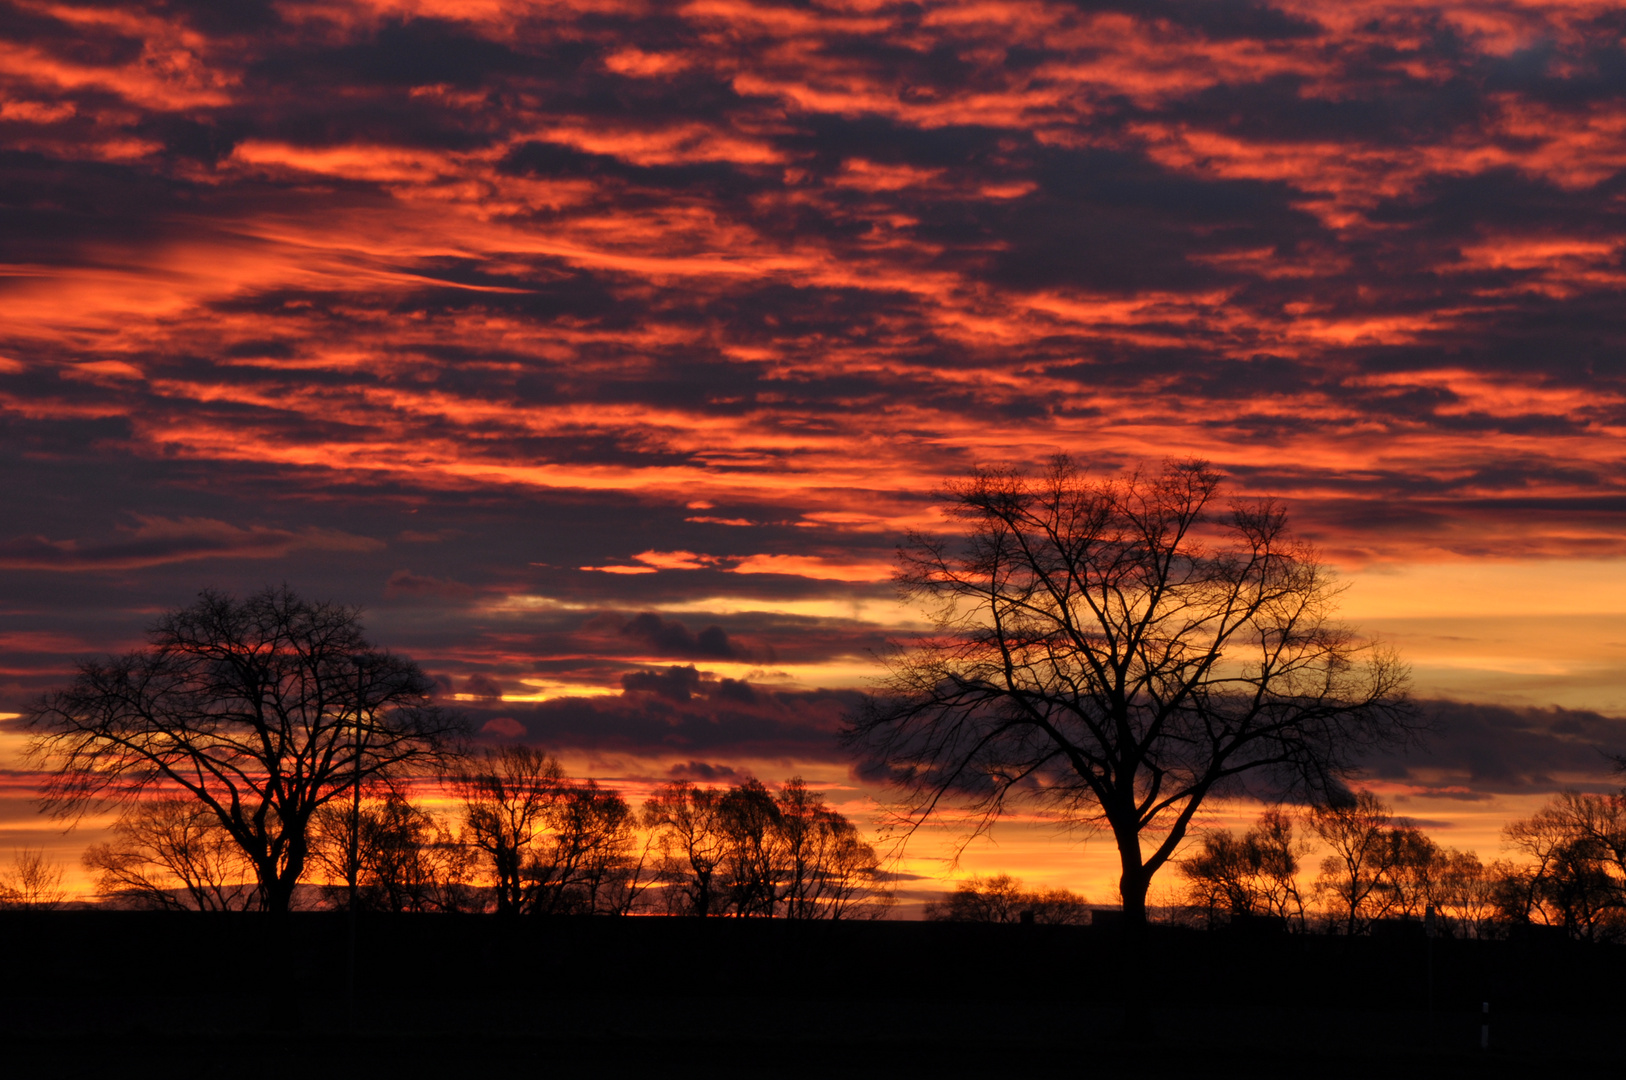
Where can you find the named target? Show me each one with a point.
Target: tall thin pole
(1430, 927)
(355, 861)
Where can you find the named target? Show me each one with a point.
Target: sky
(604, 352)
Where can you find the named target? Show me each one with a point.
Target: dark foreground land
(120, 994)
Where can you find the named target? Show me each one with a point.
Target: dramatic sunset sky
(604, 351)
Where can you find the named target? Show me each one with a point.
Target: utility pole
(1430, 928)
(354, 861)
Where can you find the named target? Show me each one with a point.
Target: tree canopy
(1122, 651)
(261, 710)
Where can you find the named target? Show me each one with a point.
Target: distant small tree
(1380, 868)
(1576, 873)
(1254, 874)
(1354, 885)
(31, 882)
(686, 822)
(173, 854)
(1002, 898)
(507, 804)
(1466, 896)
(1417, 869)
(1278, 848)
(827, 870)
(586, 865)
(750, 852)
(753, 859)
(1219, 878)
(553, 845)
(406, 860)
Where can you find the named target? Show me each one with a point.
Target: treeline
(521, 838)
(1002, 899)
(1569, 871)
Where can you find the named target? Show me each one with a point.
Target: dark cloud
(154, 541)
(406, 583)
(393, 55)
(706, 773)
(1480, 750)
(785, 726)
(672, 638)
(676, 683)
(482, 688)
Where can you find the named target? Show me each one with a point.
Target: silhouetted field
(119, 992)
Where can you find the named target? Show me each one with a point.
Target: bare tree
(553, 845)
(687, 824)
(1417, 868)
(994, 899)
(611, 878)
(826, 871)
(507, 806)
(1277, 848)
(404, 859)
(1466, 895)
(850, 884)
(1219, 877)
(587, 866)
(1255, 874)
(1115, 649)
(173, 854)
(750, 852)
(31, 883)
(262, 710)
(753, 857)
(1576, 875)
(1355, 880)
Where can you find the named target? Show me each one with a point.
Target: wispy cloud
(157, 541)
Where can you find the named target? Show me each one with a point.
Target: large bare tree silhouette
(262, 710)
(1119, 651)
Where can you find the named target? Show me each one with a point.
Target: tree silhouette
(586, 867)
(1255, 874)
(1116, 650)
(752, 828)
(405, 859)
(553, 845)
(1577, 877)
(262, 710)
(1355, 881)
(825, 869)
(1002, 899)
(1466, 898)
(173, 854)
(750, 852)
(506, 807)
(31, 882)
(686, 821)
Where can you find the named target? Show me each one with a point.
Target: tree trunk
(279, 894)
(1132, 886)
(1134, 881)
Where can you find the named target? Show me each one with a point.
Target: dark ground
(119, 994)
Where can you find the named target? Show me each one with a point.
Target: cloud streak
(156, 541)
